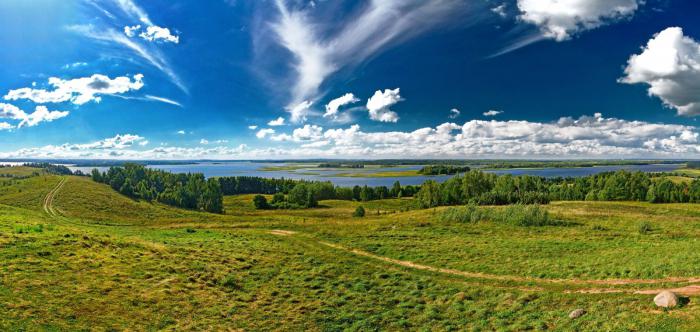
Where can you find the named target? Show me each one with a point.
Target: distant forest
(481, 188)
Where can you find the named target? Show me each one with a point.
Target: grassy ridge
(174, 269)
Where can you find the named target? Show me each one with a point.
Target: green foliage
(51, 168)
(465, 214)
(645, 228)
(190, 191)
(359, 212)
(517, 214)
(260, 202)
(443, 170)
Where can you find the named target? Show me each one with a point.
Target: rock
(666, 299)
(577, 313)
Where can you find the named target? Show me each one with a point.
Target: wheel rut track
(692, 289)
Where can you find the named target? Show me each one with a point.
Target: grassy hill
(107, 262)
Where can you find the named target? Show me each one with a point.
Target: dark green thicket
(517, 214)
(489, 189)
(190, 191)
(443, 170)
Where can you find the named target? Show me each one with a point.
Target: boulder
(577, 313)
(666, 299)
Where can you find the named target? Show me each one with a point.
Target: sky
(296, 79)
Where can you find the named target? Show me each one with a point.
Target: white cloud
(146, 52)
(454, 113)
(561, 19)
(252, 127)
(262, 133)
(276, 122)
(492, 113)
(6, 126)
(130, 31)
(670, 65)
(74, 65)
(378, 105)
(78, 91)
(584, 137)
(320, 51)
(333, 106)
(500, 10)
(40, 114)
(163, 100)
(180, 132)
(207, 142)
(587, 136)
(156, 33)
(307, 133)
(300, 111)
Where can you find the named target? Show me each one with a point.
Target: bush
(260, 202)
(466, 214)
(645, 228)
(359, 212)
(525, 215)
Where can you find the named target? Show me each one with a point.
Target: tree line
(189, 191)
(481, 188)
(443, 170)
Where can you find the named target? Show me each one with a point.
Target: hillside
(109, 262)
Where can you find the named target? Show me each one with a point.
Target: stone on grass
(577, 313)
(666, 299)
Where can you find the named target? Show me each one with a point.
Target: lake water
(212, 169)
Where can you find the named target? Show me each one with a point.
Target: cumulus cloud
(130, 31)
(492, 113)
(6, 126)
(180, 132)
(670, 65)
(252, 127)
(156, 33)
(454, 113)
(127, 146)
(204, 141)
(335, 104)
(378, 105)
(561, 19)
(587, 136)
(320, 50)
(262, 133)
(40, 114)
(78, 91)
(276, 122)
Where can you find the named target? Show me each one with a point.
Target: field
(78, 256)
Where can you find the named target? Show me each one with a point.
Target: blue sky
(286, 79)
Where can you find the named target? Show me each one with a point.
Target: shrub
(466, 214)
(645, 228)
(359, 212)
(525, 215)
(260, 202)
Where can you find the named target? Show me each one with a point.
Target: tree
(429, 194)
(359, 212)
(260, 202)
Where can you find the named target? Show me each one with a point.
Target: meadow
(88, 258)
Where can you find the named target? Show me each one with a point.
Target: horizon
(335, 80)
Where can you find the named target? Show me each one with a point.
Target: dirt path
(685, 290)
(48, 200)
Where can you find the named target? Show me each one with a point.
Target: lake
(213, 169)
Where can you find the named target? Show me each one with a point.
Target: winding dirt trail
(48, 199)
(685, 290)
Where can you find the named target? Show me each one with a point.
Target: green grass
(111, 263)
